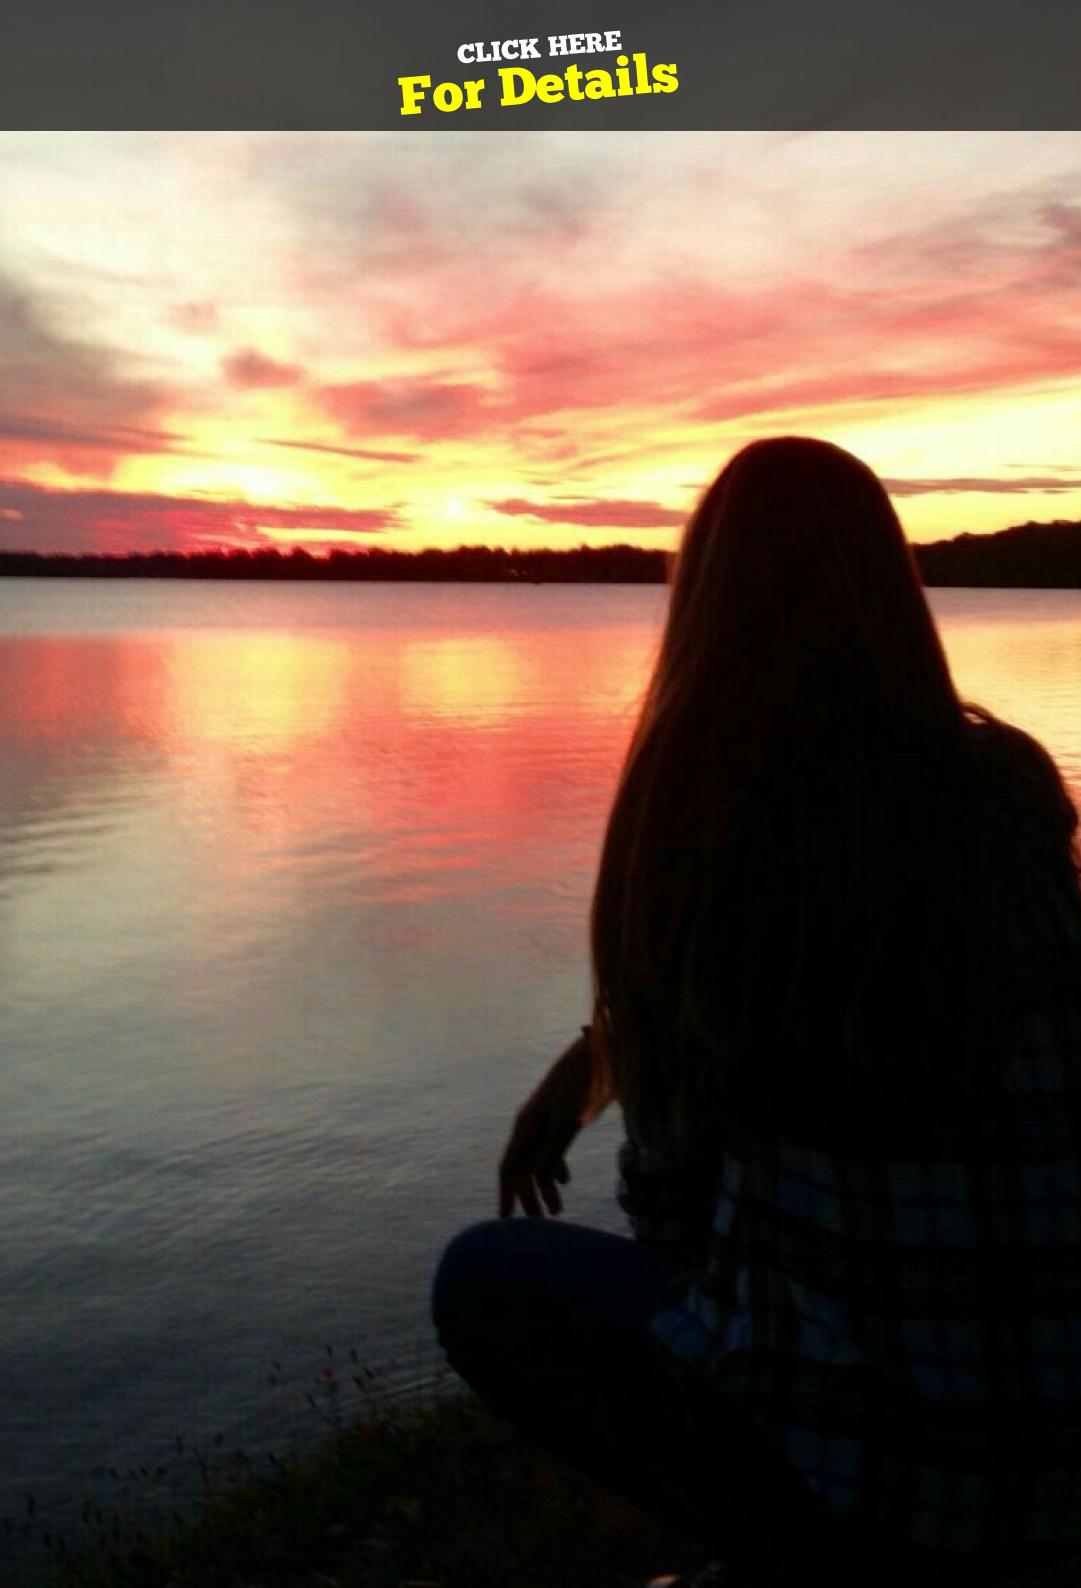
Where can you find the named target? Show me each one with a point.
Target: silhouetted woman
(837, 965)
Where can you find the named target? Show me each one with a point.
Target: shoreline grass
(436, 1495)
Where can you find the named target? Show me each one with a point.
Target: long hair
(791, 904)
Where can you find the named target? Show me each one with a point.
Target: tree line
(472, 564)
(1031, 555)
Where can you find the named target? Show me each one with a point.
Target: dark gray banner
(573, 64)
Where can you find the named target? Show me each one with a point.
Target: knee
(463, 1280)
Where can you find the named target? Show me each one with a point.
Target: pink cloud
(249, 368)
(898, 323)
(115, 439)
(197, 318)
(412, 405)
(119, 521)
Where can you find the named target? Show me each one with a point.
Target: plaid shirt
(906, 1328)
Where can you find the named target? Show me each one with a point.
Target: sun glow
(261, 692)
(573, 372)
(476, 678)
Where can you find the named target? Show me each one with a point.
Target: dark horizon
(1043, 555)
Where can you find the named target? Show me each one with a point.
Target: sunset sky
(435, 338)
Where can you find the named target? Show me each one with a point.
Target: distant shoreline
(293, 579)
(1028, 556)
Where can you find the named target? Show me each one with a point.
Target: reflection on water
(1019, 653)
(293, 892)
(464, 678)
(293, 887)
(261, 692)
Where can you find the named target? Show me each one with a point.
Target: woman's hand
(534, 1164)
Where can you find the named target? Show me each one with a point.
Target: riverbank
(438, 1496)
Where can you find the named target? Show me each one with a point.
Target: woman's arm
(534, 1164)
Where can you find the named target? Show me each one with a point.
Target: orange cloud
(373, 454)
(595, 514)
(1019, 485)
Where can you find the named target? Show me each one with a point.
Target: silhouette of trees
(609, 564)
(1041, 556)
(1034, 556)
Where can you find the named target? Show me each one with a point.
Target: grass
(432, 1496)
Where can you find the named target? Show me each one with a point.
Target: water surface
(293, 893)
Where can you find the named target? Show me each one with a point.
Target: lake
(293, 894)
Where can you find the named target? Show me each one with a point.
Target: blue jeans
(549, 1323)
